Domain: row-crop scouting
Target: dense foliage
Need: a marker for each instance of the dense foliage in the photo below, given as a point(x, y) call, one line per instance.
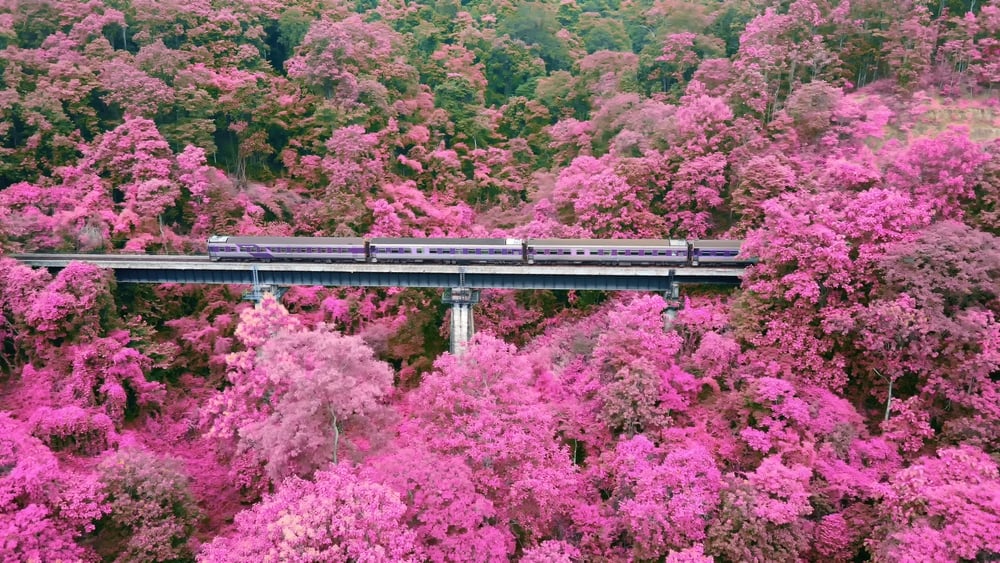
point(842, 405)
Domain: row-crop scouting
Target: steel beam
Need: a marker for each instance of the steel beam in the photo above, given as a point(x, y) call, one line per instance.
point(191, 269)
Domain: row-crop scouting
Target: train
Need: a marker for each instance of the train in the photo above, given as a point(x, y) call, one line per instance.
point(618, 252)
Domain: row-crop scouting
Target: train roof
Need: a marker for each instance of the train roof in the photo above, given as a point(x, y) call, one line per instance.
point(637, 242)
point(453, 241)
point(717, 243)
point(305, 241)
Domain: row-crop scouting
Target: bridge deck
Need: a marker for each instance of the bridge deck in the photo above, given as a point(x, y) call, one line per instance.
point(198, 269)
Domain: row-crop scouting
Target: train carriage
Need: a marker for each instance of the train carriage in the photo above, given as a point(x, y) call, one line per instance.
point(616, 251)
point(283, 249)
point(479, 251)
point(722, 252)
point(446, 250)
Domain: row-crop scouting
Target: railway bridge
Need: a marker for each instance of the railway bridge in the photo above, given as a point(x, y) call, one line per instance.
point(462, 283)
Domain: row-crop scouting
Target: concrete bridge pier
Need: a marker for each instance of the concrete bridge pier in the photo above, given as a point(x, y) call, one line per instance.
point(463, 326)
point(674, 304)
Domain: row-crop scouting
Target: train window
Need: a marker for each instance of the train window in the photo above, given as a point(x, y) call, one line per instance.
point(647, 252)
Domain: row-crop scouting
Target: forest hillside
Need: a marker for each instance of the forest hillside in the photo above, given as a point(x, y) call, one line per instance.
point(843, 404)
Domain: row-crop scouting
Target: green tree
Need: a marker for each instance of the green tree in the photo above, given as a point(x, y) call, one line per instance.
point(536, 24)
point(603, 34)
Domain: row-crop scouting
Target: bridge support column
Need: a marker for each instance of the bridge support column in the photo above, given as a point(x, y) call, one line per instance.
point(674, 304)
point(257, 293)
point(462, 325)
point(261, 290)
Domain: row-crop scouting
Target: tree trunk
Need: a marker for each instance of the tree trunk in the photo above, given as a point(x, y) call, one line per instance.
point(336, 435)
point(888, 401)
